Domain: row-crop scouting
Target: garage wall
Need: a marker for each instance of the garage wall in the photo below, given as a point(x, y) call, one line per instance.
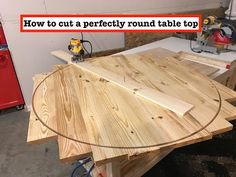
point(30, 51)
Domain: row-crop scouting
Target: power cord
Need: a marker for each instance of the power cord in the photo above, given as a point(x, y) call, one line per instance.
point(90, 170)
point(91, 47)
point(191, 47)
point(86, 41)
point(80, 166)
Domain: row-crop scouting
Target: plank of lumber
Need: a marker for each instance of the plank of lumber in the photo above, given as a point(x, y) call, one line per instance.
point(158, 52)
point(37, 132)
point(69, 119)
point(202, 68)
point(195, 65)
point(178, 106)
point(198, 67)
point(203, 60)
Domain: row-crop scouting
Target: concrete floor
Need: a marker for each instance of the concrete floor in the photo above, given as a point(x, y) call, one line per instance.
point(214, 158)
point(22, 160)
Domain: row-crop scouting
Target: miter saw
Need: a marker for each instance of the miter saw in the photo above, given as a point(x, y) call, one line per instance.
point(218, 34)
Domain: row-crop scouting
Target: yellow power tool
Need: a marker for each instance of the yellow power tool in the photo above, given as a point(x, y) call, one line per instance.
point(76, 48)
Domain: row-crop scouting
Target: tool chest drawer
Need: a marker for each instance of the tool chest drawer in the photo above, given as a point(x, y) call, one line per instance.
point(10, 92)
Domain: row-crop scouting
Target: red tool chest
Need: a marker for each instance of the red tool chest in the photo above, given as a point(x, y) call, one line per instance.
point(2, 36)
point(10, 92)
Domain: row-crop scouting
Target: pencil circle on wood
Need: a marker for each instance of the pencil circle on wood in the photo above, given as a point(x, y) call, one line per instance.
point(94, 111)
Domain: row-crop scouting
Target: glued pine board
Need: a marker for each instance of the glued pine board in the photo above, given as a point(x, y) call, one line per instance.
point(69, 150)
point(113, 154)
point(108, 116)
point(227, 125)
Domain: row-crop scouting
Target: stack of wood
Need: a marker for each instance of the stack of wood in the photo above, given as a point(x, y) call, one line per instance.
point(129, 111)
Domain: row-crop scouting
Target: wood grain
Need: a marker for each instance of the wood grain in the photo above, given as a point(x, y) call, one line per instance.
point(202, 67)
point(176, 105)
point(142, 71)
point(69, 120)
point(104, 108)
point(198, 67)
point(88, 87)
point(204, 60)
point(37, 132)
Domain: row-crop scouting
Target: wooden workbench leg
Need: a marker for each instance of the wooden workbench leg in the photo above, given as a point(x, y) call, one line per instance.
point(232, 79)
point(113, 169)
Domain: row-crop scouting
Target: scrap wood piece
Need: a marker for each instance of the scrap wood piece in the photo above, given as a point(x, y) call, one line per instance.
point(158, 52)
point(176, 105)
point(203, 60)
point(162, 53)
point(37, 132)
point(198, 67)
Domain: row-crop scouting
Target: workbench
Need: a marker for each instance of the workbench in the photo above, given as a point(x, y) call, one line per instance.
point(175, 44)
point(103, 108)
